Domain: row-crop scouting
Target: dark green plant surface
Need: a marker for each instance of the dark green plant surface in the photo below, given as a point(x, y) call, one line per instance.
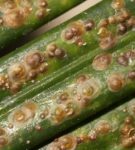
point(18, 17)
point(112, 131)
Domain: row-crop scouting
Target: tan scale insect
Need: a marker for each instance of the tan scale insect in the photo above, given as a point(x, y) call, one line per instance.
point(22, 115)
point(15, 13)
point(116, 82)
point(102, 62)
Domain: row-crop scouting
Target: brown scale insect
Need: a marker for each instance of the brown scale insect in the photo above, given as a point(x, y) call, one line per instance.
point(74, 31)
point(14, 16)
point(84, 138)
point(120, 18)
point(1, 21)
point(2, 131)
point(50, 50)
point(103, 23)
point(131, 22)
point(81, 78)
point(77, 28)
point(16, 75)
point(89, 25)
point(116, 82)
point(43, 68)
point(41, 13)
point(67, 142)
point(103, 127)
point(79, 41)
point(128, 134)
point(131, 132)
point(19, 116)
point(58, 115)
point(15, 87)
point(35, 64)
point(108, 42)
point(3, 142)
point(42, 10)
point(128, 142)
point(23, 114)
point(79, 140)
point(86, 91)
point(2, 80)
point(13, 19)
point(129, 120)
point(122, 60)
point(32, 75)
point(31, 106)
point(64, 96)
point(59, 53)
point(38, 127)
point(17, 72)
point(54, 51)
point(118, 4)
point(26, 11)
point(131, 75)
point(102, 62)
point(9, 4)
point(10, 126)
point(112, 20)
point(34, 59)
point(126, 14)
point(44, 114)
point(126, 57)
point(125, 129)
point(130, 54)
point(92, 135)
point(122, 28)
point(104, 32)
point(16, 13)
point(69, 35)
point(43, 3)
point(70, 109)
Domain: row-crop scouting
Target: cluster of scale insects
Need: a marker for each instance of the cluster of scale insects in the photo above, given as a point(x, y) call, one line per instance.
point(87, 88)
point(14, 13)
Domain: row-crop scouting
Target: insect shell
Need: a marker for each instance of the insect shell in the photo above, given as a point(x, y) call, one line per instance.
point(3, 137)
point(116, 82)
point(22, 115)
point(86, 89)
point(102, 62)
point(15, 13)
point(127, 132)
point(67, 142)
point(74, 30)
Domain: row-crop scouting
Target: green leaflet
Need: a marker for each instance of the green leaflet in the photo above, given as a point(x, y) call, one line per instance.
point(70, 101)
point(45, 108)
point(17, 18)
point(18, 74)
point(112, 131)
